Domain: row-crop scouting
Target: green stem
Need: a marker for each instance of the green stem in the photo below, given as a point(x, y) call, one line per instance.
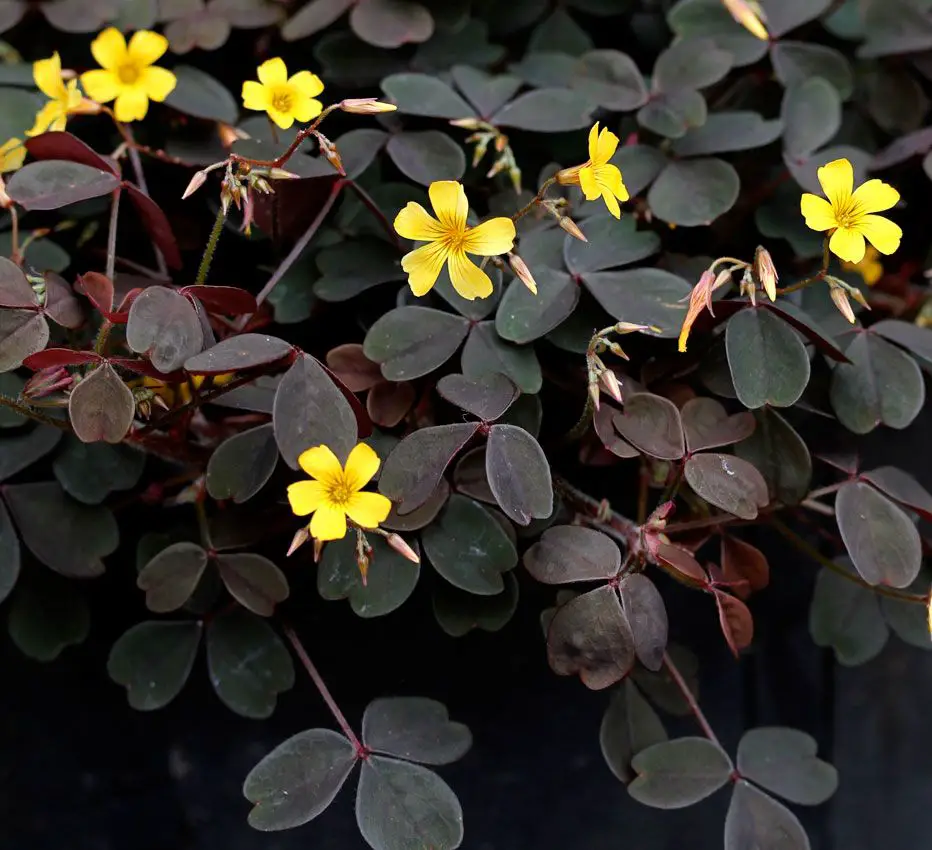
point(32, 413)
point(211, 247)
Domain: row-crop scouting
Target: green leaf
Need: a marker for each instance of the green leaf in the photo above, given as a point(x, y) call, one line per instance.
point(410, 342)
point(390, 581)
point(547, 110)
point(811, 114)
point(313, 17)
point(486, 352)
point(794, 62)
point(391, 23)
point(652, 424)
point(253, 581)
point(415, 729)
point(459, 612)
point(487, 398)
point(519, 474)
point(560, 33)
point(609, 78)
point(690, 63)
point(353, 266)
point(242, 464)
point(248, 663)
point(524, 316)
point(469, 548)
point(673, 114)
point(200, 95)
point(310, 410)
point(711, 18)
point(164, 326)
point(20, 452)
point(780, 455)
point(400, 805)
point(51, 184)
point(427, 156)
point(570, 553)
point(90, 472)
point(83, 535)
point(643, 296)
point(675, 774)
point(611, 243)
point(628, 727)
point(881, 539)
point(171, 576)
point(728, 482)
point(846, 617)
point(295, 782)
point(786, 15)
point(421, 94)
point(153, 661)
point(728, 131)
point(413, 470)
point(756, 820)
point(694, 192)
point(880, 386)
point(47, 614)
point(486, 92)
point(768, 362)
point(590, 636)
point(784, 761)
point(707, 424)
point(908, 620)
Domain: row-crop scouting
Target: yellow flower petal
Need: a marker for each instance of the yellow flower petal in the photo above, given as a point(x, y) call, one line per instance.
point(611, 202)
point(305, 109)
point(47, 74)
point(448, 198)
point(467, 278)
point(50, 114)
point(594, 142)
point(605, 149)
point(282, 119)
point(329, 523)
point(847, 245)
point(158, 83)
point(131, 104)
point(305, 497)
point(883, 234)
point(361, 465)
point(491, 238)
point(875, 196)
point(321, 463)
point(414, 222)
point(307, 83)
point(818, 212)
point(368, 509)
point(12, 154)
point(837, 180)
point(423, 265)
point(255, 96)
point(101, 85)
point(73, 98)
point(109, 49)
point(588, 184)
point(273, 72)
point(146, 48)
point(609, 177)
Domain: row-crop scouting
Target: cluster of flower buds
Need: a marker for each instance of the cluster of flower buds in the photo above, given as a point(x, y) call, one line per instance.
point(363, 549)
point(484, 137)
point(598, 375)
point(47, 382)
point(146, 398)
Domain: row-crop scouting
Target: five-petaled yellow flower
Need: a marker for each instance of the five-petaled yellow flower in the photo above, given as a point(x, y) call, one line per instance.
point(598, 177)
point(12, 154)
point(337, 493)
point(850, 212)
point(127, 73)
point(449, 240)
point(286, 99)
point(64, 98)
point(870, 268)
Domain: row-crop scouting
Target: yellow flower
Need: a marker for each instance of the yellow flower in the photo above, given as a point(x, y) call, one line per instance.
point(63, 98)
point(849, 212)
point(598, 177)
point(182, 391)
point(870, 268)
point(286, 99)
point(12, 154)
point(336, 492)
point(449, 240)
point(749, 14)
point(127, 73)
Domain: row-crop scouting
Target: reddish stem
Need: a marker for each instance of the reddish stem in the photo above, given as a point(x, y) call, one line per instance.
point(690, 698)
point(371, 205)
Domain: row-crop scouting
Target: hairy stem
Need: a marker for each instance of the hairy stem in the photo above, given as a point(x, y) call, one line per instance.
point(582, 424)
point(690, 698)
point(32, 413)
point(310, 130)
point(211, 247)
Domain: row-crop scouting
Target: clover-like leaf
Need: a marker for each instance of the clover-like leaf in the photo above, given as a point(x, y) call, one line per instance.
point(707, 424)
point(756, 820)
point(237, 354)
point(486, 352)
point(846, 617)
point(609, 78)
point(784, 761)
point(673, 114)
point(690, 63)
point(652, 424)
point(611, 244)
point(415, 729)
point(742, 562)
point(518, 474)
point(410, 342)
point(811, 115)
point(728, 482)
point(20, 452)
point(546, 110)
point(9, 554)
point(54, 183)
point(47, 615)
point(22, 332)
point(101, 407)
point(567, 553)
point(524, 316)
point(628, 727)
point(694, 192)
point(487, 398)
point(780, 455)
point(459, 612)
point(675, 774)
point(242, 464)
point(643, 296)
point(794, 62)
point(728, 131)
point(164, 326)
point(170, 577)
point(427, 156)
point(901, 487)
point(735, 620)
point(200, 95)
point(15, 290)
point(253, 581)
point(647, 618)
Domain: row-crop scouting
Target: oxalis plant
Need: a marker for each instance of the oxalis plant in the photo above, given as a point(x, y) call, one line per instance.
point(644, 326)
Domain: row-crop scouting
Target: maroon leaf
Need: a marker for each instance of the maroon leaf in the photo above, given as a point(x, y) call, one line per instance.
point(228, 300)
point(61, 145)
point(603, 421)
point(165, 327)
point(156, 224)
point(99, 290)
point(101, 407)
point(707, 424)
point(237, 354)
point(652, 424)
point(647, 618)
point(736, 621)
point(745, 564)
point(567, 553)
point(353, 368)
point(144, 367)
point(363, 422)
point(677, 561)
point(519, 474)
point(59, 357)
point(15, 290)
point(487, 398)
point(388, 402)
point(729, 483)
point(590, 636)
point(902, 487)
point(54, 183)
point(60, 304)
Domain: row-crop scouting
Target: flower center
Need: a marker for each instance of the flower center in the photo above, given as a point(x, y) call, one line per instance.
point(849, 215)
point(128, 74)
point(282, 100)
point(456, 239)
point(340, 492)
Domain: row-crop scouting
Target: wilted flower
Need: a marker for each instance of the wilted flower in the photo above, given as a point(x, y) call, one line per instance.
point(598, 177)
point(701, 298)
point(285, 99)
point(522, 272)
point(127, 73)
point(64, 99)
point(336, 492)
point(449, 241)
point(766, 272)
point(848, 212)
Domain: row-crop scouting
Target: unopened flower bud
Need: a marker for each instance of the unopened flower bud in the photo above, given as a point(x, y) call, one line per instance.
point(514, 173)
point(569, 176)
point(617, 350)
point(398, 543)
point(765, 272)
point(366, 106)
point(572, 228)
point(467, 123)
point(594, 393)
point(522, 272)
point(282, 174)
point(301, 536)
point(332, 155)
point(840, 297)
point(501, 142)
point(318, 549)
point(610, 382)
point(858, 296)
point(196, 182)
point(479, 151)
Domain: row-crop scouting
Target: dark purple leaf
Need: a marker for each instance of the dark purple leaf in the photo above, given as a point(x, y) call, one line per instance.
point(388, 403)
point(54, 183)
point(391, 23)
point(426, 513)
point(253, 581)
point(518, 473)
point(22, 332)
point(9, 554)
point(901, 487)
point(15, 290)
point(228, 300)
point(567, 553)
point(808, 327)
point(242, 464)
point(487, 397)
point(603, 420)
point(20, 452)
point(353, 368)
point(157, 225)
point(363, 422)
point(63, 146)
point(414, 729)
point(60, 304)
point(165, 327)
point(170, 577)
point(99, 290)
point(101, 407)
point(238, 354)
point(652, 424)
point(729, 483)
point(647, 618)
point(707, 425)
